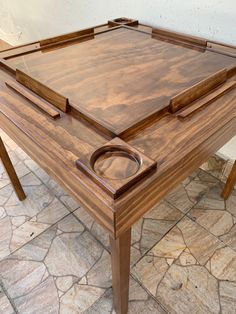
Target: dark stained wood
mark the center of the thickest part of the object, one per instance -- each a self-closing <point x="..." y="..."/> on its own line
<point x="120" y="84"/>
<point x="116" y="166"/>
<point x="47" y="93"/>
<point x="5" y="65"/>
<point x="231" y="71"/>
<point x="231" y="181"/>
<point x="179" y="37"/>
<point x="11" y="172"/>
<point x="19" y="50"/>
<point x="44" y="106"/>
<point x="65" y="37"/>
<point x="224" y="49"/>
<point x="123" y="21"/>
<point x="117" y="59"/>
<point x="120" y="261"/>
<point x="198" y="90"/>
<point x="206" y="100"/>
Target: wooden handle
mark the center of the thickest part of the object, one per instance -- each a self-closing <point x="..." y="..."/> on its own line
<point x="209" y="98"/>
<point x="43" y="105"/>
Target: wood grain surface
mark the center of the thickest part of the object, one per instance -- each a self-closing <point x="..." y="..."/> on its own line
<point x="127" y="75"/>
<point x="40" y="103"/>
<point x="119" y="84"/>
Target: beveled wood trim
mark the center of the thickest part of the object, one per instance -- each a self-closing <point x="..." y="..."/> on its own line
<point x="106" y="130"/>
<point x="19" y="50"/>
<point x="221" y="48"/>
<point x="4" y="64"/>
<point x="180" y="37"/>
<point x="27" y="49"/>
<point x="206" y="100"/>
<point x="198" y="90"/>
<point x="43" y="91"/>
<point x="69" y="36"/>
<point x="39" y="103"/>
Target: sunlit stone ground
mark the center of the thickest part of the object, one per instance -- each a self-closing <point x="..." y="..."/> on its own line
<point x="55" y="259"/>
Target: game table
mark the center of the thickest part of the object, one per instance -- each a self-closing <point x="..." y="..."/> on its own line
<point x="119" y="114"/>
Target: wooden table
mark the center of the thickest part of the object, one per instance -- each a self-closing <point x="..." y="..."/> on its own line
<point x="119" y="114"/>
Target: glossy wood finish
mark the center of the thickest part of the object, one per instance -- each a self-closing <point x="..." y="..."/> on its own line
<point x="123" y="21"/>
<point x="197" y="91"/>
<point x="207" y="99"/>
<point x="41" y="104"/>
<point x="180" y="37"/>
<point x="120" y="262"/>
<point x="70" y="36"/>
<point x="230" y="183"/>
<point x="119" y="84"/>
<point x="123" y="72"/>
<point x="116" y="166"/>
<point x="11" y="172"/>
<point x="42" y="90"/>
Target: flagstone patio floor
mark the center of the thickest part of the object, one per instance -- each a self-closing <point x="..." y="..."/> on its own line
<point x="54" y="258"/>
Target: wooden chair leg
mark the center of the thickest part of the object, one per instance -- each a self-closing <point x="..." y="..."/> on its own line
<point x="11" y="172"/>
<point x="230" y="183"/>
<point x="120" y="261"/>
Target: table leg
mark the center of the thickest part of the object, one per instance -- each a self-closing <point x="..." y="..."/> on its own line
<point x="120" y="260"/>
<point x="230" y="183"/>
<point x="11" y="172"/>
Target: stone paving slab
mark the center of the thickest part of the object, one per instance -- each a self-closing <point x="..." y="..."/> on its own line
<point x="54" y="258"/>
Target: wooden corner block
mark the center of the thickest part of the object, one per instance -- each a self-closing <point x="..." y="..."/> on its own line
<point x="116" y="166"/>
<point x="123" y="21"/>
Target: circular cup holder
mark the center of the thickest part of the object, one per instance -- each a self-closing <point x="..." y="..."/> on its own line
<point x="115" y="162"/>
<point x="122" y="20"/>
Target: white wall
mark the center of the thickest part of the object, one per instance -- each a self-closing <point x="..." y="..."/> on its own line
<point x="28" y="20"/>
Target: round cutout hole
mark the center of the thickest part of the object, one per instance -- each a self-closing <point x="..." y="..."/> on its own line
<point x="115" y="162"/>
<point x="122" y="20"/>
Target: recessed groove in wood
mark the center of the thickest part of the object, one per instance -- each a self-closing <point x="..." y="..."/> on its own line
<point x="19" y="50"/>
<point x="123" y="21"/>
<point x="198" y="90"/>
<point x="43" y="91"/>
<point x="39" y="103"/>
<point x="206" y="100"/>
<point x="64" y="37"/>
